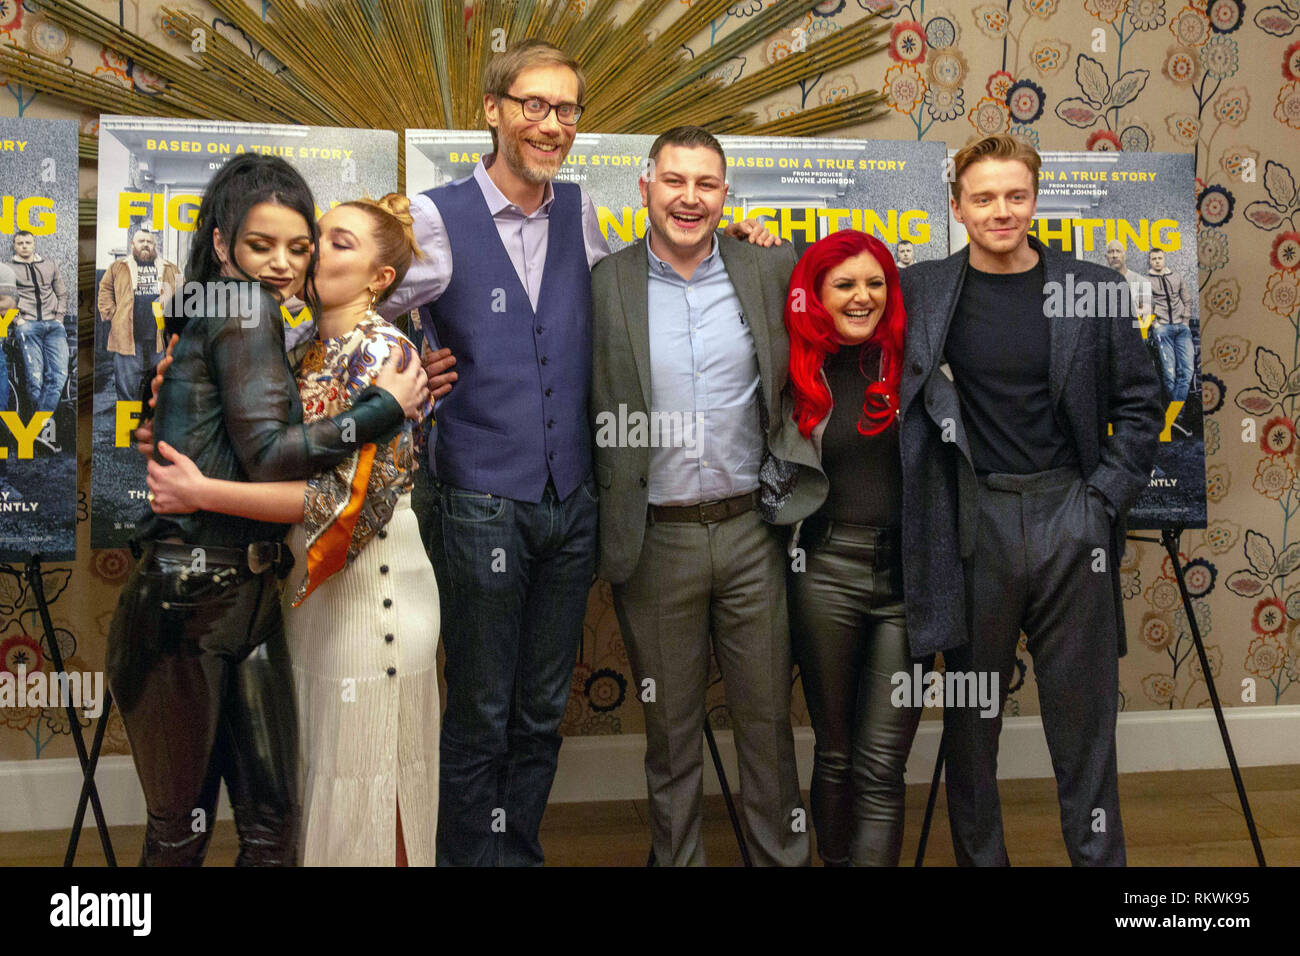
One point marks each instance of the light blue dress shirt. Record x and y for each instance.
(703, 374)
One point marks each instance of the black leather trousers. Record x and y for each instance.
(199, 669)
(850, 637)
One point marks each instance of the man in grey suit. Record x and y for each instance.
(1014, 493)
(689, 357)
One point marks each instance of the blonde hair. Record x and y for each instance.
(996, 146)
(503, 68)
(390, 217)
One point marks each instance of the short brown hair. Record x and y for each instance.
(690, 137)
(504, 68)
(996, 146)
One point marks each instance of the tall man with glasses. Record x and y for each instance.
(506, 286)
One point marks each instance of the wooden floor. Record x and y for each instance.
(1186, 818)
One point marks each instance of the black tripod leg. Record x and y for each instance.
(934, 793)
(87, 788)
(726, 792)
(1170, 537)
(74, 726)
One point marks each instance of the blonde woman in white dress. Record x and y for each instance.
(361, 605)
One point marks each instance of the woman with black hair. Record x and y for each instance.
(196, 653)
(362, 623)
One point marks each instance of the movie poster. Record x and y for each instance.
(803, 188)
(152, 173)
(1136, 214)
(38, 339)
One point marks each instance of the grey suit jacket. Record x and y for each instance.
(793, 485)
(1099, 373)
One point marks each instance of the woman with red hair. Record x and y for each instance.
(846, 323)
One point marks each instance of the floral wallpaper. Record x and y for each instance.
(1217, 78)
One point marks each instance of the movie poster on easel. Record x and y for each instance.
(152, 174)
(1135, 213)
(38, 339)
(804, 189)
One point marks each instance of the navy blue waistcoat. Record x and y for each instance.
(518, 411)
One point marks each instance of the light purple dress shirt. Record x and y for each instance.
(524, 235)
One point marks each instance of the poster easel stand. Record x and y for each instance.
(88, 761)
(1170, 536)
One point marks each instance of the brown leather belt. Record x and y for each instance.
(706, 512)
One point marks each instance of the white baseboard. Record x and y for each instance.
(42, 794)
(611, 768)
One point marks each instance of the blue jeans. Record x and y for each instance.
(513, 578)
(1177, 356)
(44, 344)
(128, 370)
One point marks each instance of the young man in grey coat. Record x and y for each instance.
(1029, 426)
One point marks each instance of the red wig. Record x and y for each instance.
(812, 333)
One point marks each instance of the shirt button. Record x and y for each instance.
(551, 423)
(388, 602)
(392, 671)
(548, 392)
(552, 456)
(388, 638)
(383, 569)
(916, 368)
(543, 359)
(705, 464)
(643, 481)
(539, 330)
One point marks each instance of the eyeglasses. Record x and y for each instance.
(535, 110)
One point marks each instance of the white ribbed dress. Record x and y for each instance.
(368, 707)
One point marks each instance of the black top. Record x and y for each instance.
(865, 471)
(146, 294)
(230, 402)
(999, 349)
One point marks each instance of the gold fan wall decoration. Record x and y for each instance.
(397, 64)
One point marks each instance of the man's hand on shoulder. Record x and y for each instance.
(754, 231)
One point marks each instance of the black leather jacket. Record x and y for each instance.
(230, 402)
